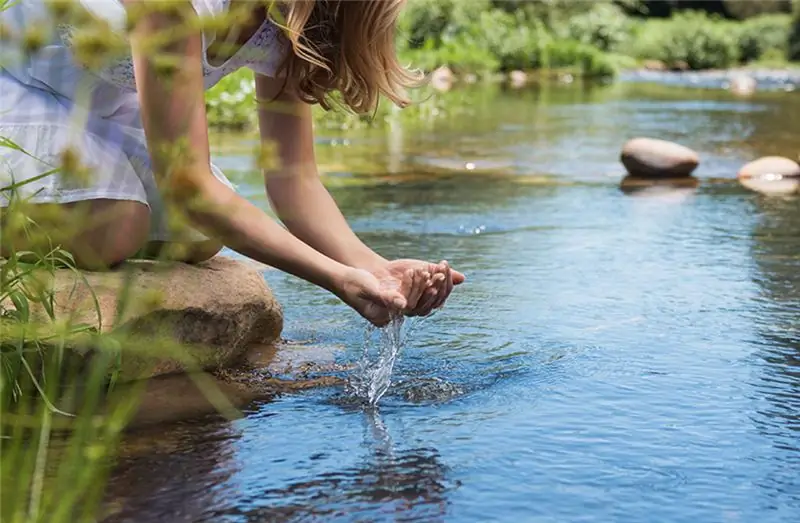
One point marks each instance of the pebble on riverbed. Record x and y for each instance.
(771, 175)
(650, 158)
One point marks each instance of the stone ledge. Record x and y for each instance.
(209, 313)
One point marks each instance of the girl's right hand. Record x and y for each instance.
(379, 299)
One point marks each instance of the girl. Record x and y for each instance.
(137, 124)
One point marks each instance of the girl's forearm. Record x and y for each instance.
(310, 213)
(243, 227)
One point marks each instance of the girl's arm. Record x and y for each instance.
(174, 120)
(294, 187)
(306, 207)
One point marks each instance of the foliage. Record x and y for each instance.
(794, 34)
(604, 26)
(763, 35)
(693, 38)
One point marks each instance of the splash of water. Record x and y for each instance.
(371, 377)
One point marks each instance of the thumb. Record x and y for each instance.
(394, 299)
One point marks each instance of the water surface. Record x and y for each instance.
(611, 358)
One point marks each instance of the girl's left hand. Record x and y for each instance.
(443, 279)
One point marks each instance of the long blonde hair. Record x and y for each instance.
(344, 46)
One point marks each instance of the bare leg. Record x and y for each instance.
(98, 233)
(186, 252)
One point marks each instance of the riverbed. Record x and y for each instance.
(612, 357)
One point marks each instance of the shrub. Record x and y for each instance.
(584, 59)
(765, 34)
(604, 26)
(692, 37)
(232, 102)
(794, 34)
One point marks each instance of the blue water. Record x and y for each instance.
(612, 357)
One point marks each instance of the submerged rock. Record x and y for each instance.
(175, 317)
(652, 158)
(429, 390)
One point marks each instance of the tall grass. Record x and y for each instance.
(62, 411)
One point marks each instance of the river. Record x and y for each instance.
(612, 357)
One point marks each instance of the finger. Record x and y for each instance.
(426, 303)
(420, 284)
(444, 293)
(377, 315)
(428, 299)
(458, 277)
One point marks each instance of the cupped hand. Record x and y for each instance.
(378, 297)
(442, 280)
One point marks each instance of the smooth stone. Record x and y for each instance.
(210, 313)
(653, 158)
(442, 78)
(770, 168)
(517, 78)
(743, 85)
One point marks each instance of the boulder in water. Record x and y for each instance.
(770, 167)
(652, 158)
(174, 317)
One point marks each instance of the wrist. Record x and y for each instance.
(371, 262)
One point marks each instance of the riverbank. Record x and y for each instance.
(517, 45)
(231, 104)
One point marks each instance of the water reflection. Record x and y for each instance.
(195, 472)
(776, 253)
(399, 484)
(171, 473)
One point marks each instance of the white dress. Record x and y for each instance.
(49, 102)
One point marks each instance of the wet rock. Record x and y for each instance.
(517, 79)
(742, 85)
(265, 373)
(176, 317)
(771, 175)
(770, 167)
(652, 158)
(442, 79)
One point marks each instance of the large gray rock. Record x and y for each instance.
(174, 317)
(652, 158)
